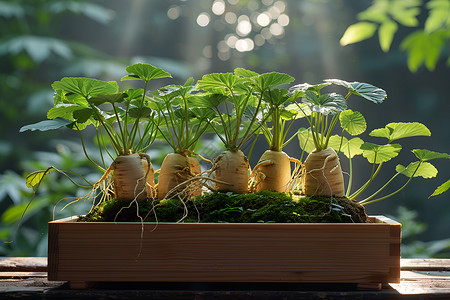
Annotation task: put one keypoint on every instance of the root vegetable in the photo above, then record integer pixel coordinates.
(196, 189)
(231, 168)
(323, 174)
(175, 170)
(130, 177)
(274, 168)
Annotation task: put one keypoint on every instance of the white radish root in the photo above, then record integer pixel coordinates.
(273, 172)
(231, 172)
(323, 174)
(133, 177)
(175, 170)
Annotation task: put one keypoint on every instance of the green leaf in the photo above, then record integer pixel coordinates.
(64, 111)
(386, 34)
(350, 148)
(395, 131)
(245, 73)
(47, 125)
(110, 98)
(86, 87)
(276, 97)
(83, 115)
(419, 169)
(218, 80)
(377, 12)
(299, 113)
(353, 122)
(305, 140)
(36, 177)
(380, 153)
(326, 103)
(134, 94)
(442, 188)
(358, 32)
(270, 80)
(426, 155)
(438, 16)
(143, 112)
(365, 90)
(303, 87)
(145, 72)
(422, 47)
(405, 12)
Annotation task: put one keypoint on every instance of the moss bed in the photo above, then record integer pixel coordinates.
(261, 207)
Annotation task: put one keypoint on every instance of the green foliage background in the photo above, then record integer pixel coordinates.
(42, 41)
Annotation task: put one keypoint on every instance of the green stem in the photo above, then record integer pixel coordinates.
(372, 176)
(245, 137)
(136, 122)
(393, 193)
(330, 129)
(122, 133)
(350, 180)
(85, 152)
(379, 190)
(116, 144)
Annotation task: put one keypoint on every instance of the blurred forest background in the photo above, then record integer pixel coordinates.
(42, 41)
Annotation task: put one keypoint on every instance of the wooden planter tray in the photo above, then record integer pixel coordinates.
(361, 253)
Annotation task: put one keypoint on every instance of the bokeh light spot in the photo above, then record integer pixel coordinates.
(203, 19)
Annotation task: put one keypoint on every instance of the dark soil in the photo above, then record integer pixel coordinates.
(264, 206)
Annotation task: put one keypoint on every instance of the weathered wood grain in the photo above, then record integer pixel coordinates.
(320, 253)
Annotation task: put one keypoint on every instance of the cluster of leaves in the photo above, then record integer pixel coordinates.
(235, 105)
(319, 135)
(423, 45)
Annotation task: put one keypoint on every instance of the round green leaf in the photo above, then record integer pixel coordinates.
(380, 153)
(417, 168)
(395, 131)
(110, 98)
(85, 87)
(350, 148)
(353, 122)
(425, 155)
(324, 104)
(305, 140)
(145, 72)
(365, 90)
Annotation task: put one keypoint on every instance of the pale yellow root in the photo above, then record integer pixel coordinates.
(131, 176)
(175, 169)
(150, 175)
(296, 182)
(231, 167)
(274, 171)
(323, 174)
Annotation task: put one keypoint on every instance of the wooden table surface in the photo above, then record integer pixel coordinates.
(26, 277)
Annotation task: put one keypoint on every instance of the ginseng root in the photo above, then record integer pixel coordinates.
(231, 169)
(323, 174)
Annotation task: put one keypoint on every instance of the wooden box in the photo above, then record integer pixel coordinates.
(84, 253)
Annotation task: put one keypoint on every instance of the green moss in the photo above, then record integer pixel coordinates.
(263, 206)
